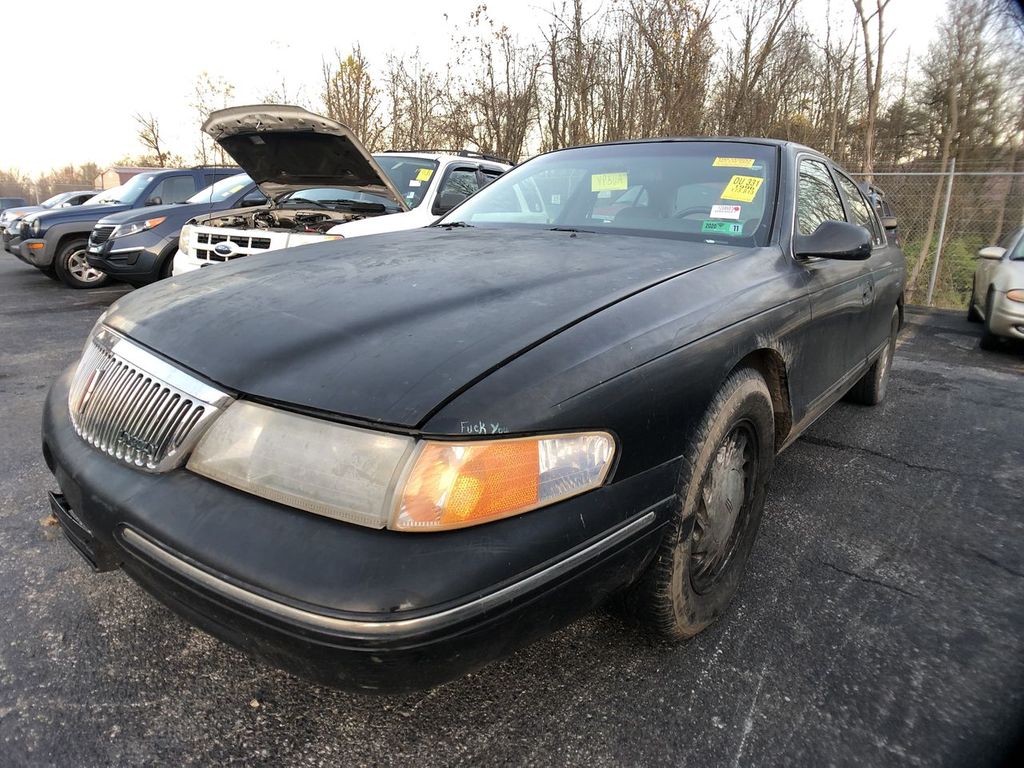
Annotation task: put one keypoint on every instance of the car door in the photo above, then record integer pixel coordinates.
(839, 292)
(458, 183)
(886, 265)
(172, 189)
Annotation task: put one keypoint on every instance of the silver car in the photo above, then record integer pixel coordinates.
(998, 295)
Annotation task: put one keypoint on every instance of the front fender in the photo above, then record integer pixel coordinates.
(645, 368)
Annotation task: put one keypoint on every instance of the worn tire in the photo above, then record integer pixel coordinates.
(973, 315)
(67, 265)
(870, 389)
(665, 600)
(989, 341)
(50, 272)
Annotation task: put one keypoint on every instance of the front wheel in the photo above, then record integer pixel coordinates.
(973, 315)
(989, 341)
(699, 563)
(73, 269)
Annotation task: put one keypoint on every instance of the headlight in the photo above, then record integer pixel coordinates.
(123, 230)
(452, 485)
(183, 238)
(322, 467)
(1017, 294)
(37, 227)
(384, 480)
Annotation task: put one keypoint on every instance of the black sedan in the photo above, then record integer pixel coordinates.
(383, 462)
(138, 246)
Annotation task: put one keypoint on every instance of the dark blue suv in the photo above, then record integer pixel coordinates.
(138, 246)
(55, 241)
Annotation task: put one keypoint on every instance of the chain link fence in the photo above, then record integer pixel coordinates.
(977, 209)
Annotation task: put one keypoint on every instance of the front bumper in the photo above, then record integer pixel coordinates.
(135, 259)
(348, 606)
(34, 251)
(1007, 317)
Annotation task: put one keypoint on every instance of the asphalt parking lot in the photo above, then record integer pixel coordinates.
(881, 620)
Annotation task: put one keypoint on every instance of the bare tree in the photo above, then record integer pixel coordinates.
(209, 94)
(497, 104)
(416, 96)
(874, 57)
(350, 96)
(148, 134)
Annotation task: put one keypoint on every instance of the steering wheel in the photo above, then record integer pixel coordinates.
(705, 209)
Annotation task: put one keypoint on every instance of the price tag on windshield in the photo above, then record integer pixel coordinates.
(609, 182)
(742, 188)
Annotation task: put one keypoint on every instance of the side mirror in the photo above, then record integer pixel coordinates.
(889, 222)
(993, 252)
(154, 201)
(250, 201)
(446, 201)
(834, 240)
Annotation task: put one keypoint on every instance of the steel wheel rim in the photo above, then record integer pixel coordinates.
(80, 269)
(726, 494)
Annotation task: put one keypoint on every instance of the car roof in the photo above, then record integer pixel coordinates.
(435, 155)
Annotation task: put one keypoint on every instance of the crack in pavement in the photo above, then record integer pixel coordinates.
(826, 443)
(992, 561)
(868, 579)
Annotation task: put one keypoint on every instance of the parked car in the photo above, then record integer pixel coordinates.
(384, 470)
(55, 241)
(883, 208)
(11, 202)
(10, 219)
(997, 296)
(323, 184)
(138, 246)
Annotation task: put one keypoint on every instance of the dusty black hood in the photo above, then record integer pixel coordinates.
(285, 149)
(388, 328)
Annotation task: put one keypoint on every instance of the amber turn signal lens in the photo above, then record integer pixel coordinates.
(452, 485)
(1017, 294)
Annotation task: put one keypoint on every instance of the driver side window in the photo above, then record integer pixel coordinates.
(817, 198)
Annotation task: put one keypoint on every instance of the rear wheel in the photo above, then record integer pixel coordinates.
(872, 386)
(698, 566)
(73, 269)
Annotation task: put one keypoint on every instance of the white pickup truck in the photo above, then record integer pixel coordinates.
(322, 184)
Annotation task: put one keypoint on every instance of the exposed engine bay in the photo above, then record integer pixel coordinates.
(283, 220)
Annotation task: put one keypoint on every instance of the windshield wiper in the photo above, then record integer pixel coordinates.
(571, 229)
(355, 205)
(454, 224)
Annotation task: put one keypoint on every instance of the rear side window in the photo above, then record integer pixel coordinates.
(860, 211)
(817, 198)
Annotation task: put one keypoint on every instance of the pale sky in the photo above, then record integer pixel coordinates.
(87, 67)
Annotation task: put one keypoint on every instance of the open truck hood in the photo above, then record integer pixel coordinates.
(285, 149)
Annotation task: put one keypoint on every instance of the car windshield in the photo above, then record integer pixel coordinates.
(1017, 254)
(128, 192)
(337, 197)
(410, 175)
(106, 196)
(221, 190)
(52, 201)
(715, 192)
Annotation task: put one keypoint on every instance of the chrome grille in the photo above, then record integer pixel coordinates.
(245, 245)
(136, 407)
(100, 235)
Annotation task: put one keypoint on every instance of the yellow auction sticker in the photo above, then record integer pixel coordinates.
(733, 162)
(742, 188)
(424, 174)
(609, 182)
